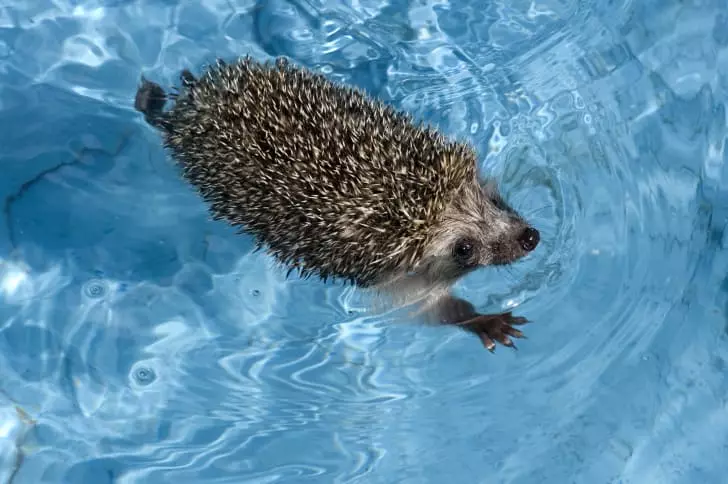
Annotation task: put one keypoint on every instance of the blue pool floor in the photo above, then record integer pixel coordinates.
(141, 342)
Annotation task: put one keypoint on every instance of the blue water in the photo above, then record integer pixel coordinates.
(141, 342)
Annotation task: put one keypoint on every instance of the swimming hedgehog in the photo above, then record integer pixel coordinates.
(339, 185)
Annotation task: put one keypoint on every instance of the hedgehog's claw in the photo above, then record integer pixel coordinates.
(495, 327)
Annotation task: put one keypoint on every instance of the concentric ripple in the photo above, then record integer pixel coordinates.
(141, 342)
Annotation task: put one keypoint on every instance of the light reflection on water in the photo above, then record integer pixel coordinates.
(148, 344)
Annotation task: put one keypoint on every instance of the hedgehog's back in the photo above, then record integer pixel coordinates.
(333, 182)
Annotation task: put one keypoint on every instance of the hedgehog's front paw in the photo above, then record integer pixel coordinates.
(495, 327)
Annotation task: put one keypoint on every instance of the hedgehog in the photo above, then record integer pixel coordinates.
(337, 184)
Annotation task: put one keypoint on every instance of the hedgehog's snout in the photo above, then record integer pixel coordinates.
(529, 239)
(509, 240)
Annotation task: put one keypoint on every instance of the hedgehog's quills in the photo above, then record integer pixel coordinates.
(339, 185)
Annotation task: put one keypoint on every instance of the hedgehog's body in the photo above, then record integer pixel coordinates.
(332, 182)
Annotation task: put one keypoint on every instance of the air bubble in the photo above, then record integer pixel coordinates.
(144, 376)
(255, 292)
(95, 288)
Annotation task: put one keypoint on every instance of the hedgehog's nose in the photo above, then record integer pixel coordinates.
(529, 239)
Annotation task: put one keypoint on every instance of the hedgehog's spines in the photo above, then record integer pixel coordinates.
(187, 78)
(331, 182)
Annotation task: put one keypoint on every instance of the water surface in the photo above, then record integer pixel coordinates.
(141, 342)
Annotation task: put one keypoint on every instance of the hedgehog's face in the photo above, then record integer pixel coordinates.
(478, 229)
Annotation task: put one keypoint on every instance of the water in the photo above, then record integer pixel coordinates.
(141, 342)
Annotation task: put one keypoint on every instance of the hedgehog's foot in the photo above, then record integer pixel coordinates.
(495, 327)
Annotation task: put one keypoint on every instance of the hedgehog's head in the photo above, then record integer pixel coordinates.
(478, 228)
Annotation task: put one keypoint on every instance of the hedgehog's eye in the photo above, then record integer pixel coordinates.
(463, 251)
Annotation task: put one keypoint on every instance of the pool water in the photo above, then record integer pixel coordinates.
(141, 342)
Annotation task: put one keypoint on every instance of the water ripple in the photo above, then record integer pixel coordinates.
(143, 343)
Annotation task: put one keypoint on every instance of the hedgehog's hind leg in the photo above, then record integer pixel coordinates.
(149, 100)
